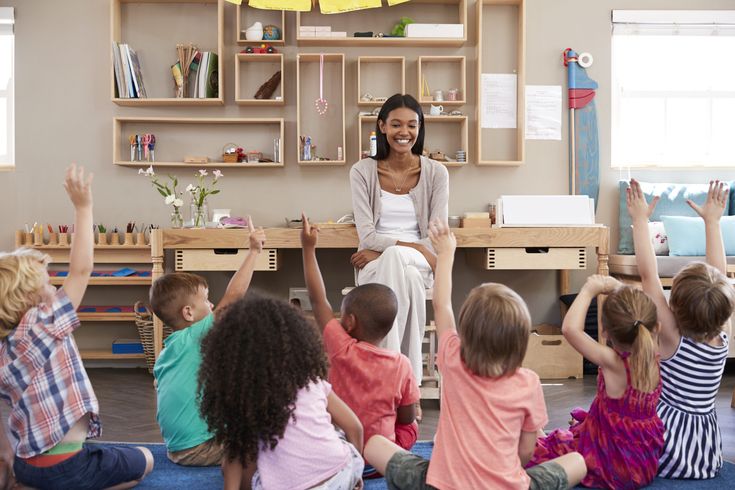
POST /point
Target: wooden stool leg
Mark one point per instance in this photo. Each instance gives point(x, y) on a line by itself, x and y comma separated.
point(732, 403)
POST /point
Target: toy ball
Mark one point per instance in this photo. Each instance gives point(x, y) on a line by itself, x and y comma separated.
point(271, 33)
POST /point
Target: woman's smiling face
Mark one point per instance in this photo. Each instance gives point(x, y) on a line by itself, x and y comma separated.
point(401, 128)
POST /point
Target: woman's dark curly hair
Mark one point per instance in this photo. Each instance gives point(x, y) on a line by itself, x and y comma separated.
point(259, 354)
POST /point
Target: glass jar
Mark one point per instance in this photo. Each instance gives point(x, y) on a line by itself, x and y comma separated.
point(199, 214)
point(177, 221)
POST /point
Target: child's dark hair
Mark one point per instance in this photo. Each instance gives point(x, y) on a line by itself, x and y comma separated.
point(171, 292)
point(396, 102)
point(630, 319)
point(374, 306)
point(258, 355)
point(701, 300)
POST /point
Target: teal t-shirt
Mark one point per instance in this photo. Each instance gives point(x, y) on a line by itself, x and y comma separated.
point(176, 372)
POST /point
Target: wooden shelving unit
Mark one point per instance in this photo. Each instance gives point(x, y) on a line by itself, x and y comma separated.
point(109, 281)
point(380, 76)
point(431, 123)
point(332, 124)
point(182, 136)
point(247, 15)
point(442, 79)
point(252, 81)
point(144, 24)
point(102, 316)
point(106, 355)
point(382, 20)
point(507, 144)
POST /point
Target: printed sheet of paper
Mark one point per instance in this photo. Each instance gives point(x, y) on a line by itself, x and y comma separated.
point(498, 100)
point(543, 112)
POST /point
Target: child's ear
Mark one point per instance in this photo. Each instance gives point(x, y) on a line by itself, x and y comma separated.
point(349, 322)
point(187, 313)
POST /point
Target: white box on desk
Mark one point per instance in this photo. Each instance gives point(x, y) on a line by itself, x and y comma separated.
point(548, 211)
point(435, 30)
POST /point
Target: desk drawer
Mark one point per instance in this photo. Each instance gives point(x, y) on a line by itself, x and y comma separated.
point(532, 258)
point(223, 259)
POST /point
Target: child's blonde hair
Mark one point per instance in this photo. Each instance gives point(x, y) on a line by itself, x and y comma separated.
point(630, 319)
point(494, 325)
point(20, 285)
point(701, 300)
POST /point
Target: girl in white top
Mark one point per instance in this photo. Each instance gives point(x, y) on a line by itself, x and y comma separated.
point(395, 193)
point(265, 398)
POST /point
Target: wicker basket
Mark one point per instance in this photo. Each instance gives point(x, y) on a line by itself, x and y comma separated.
point(144, 322)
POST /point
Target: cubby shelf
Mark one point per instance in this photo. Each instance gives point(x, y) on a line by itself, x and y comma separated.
point(435, 78)
point(209, 133)
point(434, 12)
point(247, 58)
point(430, 121)
point(108, 281)
point(105, 355)
point(387, 66)
point(265, 17)
point(511, 14)
point(154, 25)
point(308, 93)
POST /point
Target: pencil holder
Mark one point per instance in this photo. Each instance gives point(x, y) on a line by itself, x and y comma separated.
point(53, 238)
point(128, 242)
point(140, 238)
point(38, 237)
point(28, 239)
point(71, 238)
point(18, 238)
point(102, 239)
point(63, 239)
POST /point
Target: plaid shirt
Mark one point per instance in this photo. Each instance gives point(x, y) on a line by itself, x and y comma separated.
point(42, 377)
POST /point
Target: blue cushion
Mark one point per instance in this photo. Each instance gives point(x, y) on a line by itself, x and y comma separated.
point(686, 235)
point(672, 203)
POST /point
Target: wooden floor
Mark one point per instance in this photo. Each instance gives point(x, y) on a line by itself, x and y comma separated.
point(128, 405)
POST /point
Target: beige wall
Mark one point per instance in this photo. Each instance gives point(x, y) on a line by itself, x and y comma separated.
point(64, 113)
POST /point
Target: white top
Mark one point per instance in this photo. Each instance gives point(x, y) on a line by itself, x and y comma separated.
point(398, 217)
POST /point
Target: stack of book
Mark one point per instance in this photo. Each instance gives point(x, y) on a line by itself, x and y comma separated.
point(128, 77)
point(206, 75)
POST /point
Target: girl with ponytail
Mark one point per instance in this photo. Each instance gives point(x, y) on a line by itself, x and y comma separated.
point(621, 437)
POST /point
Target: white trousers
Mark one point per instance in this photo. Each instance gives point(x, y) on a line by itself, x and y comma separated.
point(406, 271)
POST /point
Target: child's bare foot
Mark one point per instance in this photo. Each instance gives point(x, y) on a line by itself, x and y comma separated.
point(419, 412)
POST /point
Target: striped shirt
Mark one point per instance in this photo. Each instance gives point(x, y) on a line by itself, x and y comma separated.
point(691, 380)
point(43, 380)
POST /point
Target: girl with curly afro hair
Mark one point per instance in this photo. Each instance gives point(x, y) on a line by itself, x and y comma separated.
point(264, 396)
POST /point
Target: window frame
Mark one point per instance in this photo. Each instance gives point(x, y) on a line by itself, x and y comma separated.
point(7, 25)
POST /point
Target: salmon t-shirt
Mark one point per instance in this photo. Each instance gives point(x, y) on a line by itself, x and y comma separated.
point(372, 381)
point(480, 424)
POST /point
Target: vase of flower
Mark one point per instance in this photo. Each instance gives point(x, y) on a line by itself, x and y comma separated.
point(199, 214)
point(199, 208)
point(177, 220)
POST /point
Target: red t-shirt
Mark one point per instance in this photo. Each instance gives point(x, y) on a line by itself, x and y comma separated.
point(480, 424)
point(372, 381)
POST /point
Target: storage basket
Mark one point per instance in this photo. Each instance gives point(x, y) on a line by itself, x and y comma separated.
point(144, 322)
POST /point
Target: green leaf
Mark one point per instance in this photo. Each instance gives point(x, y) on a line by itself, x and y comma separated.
point(216, 191)
point(162, 192)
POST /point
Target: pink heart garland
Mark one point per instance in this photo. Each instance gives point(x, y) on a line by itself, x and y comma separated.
point(321, 106)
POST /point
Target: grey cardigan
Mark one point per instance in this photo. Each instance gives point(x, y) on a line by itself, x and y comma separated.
point(430, 199)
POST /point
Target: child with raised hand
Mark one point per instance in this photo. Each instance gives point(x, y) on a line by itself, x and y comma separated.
point(53, 406)
point(692, 342)
point(181, 300)
point(621, 436)
point(265, 398)
point(492, 408)
point(376, 383)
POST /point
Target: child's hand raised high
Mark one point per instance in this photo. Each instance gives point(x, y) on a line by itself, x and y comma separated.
point(714, 206)
point(442, 238)
point(78, 187)
point(599, 284)
point(257, 236)
point(636, 202)
point(309, 233)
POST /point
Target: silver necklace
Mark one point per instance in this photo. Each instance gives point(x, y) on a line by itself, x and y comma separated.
point(393, 178)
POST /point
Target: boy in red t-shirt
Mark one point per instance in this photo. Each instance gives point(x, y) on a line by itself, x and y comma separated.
point(376, 383)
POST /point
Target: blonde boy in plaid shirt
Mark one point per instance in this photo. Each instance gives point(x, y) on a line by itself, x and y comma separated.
point(53, 406)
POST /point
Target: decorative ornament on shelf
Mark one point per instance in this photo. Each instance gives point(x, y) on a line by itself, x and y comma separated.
point(271, 33)
point(266, 90)
point(254, 32)
point(321, 103)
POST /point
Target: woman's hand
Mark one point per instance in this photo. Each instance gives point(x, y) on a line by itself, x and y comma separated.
point(361, 258)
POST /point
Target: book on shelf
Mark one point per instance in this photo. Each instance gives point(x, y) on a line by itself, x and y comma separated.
point(117, 65)
point(201, 73)
point(212, 77)
point(138, 77)
point(128, 75)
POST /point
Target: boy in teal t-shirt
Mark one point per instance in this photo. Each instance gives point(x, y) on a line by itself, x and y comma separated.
point(181, 300)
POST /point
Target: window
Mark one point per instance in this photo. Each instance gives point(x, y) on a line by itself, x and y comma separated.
point(673, 88)
point(7, 118)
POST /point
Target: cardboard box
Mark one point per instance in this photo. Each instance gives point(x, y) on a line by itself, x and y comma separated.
point(435, 30)
point(476, 223)
point(550, 355)
point(319, 29)
point(338, 34)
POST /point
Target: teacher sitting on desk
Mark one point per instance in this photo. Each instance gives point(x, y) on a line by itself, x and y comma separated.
point(395, 193)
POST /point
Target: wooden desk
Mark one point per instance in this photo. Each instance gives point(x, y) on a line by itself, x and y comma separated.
point(467, 238)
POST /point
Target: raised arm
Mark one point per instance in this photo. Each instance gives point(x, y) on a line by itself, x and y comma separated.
point(81, 257)
point(711, 212)
point(240, 282)
point(445, 244)
point(573, 325)
point(313, 276)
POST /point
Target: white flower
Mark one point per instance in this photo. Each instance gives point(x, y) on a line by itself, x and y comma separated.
point(170, 199)
point(202, 172)
point(191, 188)
point(217, 174)
point(178, 202)
point(141, 171)
point(149, 172)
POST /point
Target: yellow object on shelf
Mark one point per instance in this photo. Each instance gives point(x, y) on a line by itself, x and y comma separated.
point(291, 5)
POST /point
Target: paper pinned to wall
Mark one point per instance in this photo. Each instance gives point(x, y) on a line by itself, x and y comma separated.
point(543, 112)
point(498, 100)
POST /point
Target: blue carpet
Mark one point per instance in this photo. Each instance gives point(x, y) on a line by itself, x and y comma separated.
point(168, 475)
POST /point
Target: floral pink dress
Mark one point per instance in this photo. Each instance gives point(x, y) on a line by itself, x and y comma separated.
point(621, 439)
